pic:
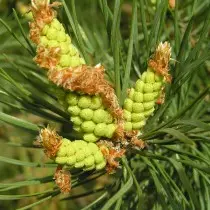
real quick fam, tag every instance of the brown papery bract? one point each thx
(89, 80)
(63, 179)
(111, 153)
(172, 3)
(43, 13)
(50, 140)
(160, 61)
(47, 58)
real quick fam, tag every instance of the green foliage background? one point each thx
(173, 172)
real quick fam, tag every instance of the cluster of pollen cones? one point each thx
(88, 80)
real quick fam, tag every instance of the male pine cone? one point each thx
(148, 90)
(80, 154)
(90, 117)
(53, 36)
(73, 154)
(140, 103)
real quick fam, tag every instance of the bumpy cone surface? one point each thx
(90, 117)
(53, 36)
(141, 100)
(80, 154)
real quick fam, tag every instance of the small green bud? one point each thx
(51, 34)
(143, 76)
(139, 86)
(88, 126)
(66, 142)
(102, 107)
(109, 118)
(62, 28)
(84, 102)
(86, 114)
(44, 40)
(89, 168)
(157, 86)
(128, 104)
(156, 94)
(28, 16)
(74, 61)
(87, 151)
(68, 39)
(80, 156)
(76, 120)
(61, 37)
(100, 129)
(79, 144)
(62, 152)
(82, 61)
(93, 148)
(136, 117)
(127, 115)
(90, 137)
(72, 50)
(148, 88)
(61, 160)
(53, 43)
(150, 77)
(138, 125)
(138, 107)
(138, 97)
(98, 157)
(79, 164)
(149, 105)
(131, 93)
(70, 150)
(74, 110)
(89, 161)
(149, 112)
(99, 116)
(64, 47)
(158, 78)
(56, 24)
(128, 126)
(100, 165)
(64, 61)
(77, 128)
(148, 97)
(96, 102)
(71, 160)
(110, 130)
(45, 29)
